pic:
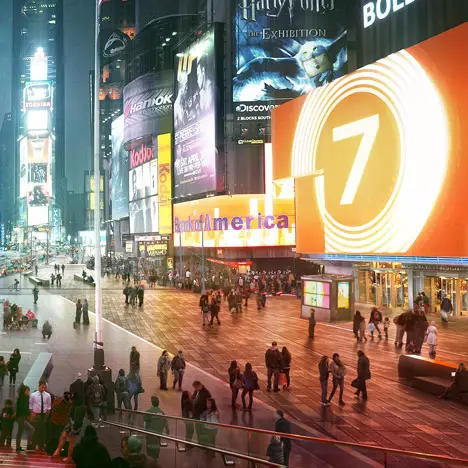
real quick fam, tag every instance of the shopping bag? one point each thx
(355, 383)
(371, 327)
(282, 379)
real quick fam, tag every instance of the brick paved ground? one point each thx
(394, 416)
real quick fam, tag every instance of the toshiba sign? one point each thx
(378, 10)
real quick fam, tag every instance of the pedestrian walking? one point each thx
(446, 308)
(324, 374)
(283, 426)
(40, 404)
(97, 398)
(204, 307)
(199, 399)
(235, 382)
(273, 365)
(155, 422)
(275, 451)
(79, 308)
(46, 330)
(3, 371)
(357, 324)
(133, 295)
(214, 309)
(363, 374)
(386, 326)
(400, 322)
(312, 323)
(141, 295)
(374, 320)
(35, 292)
(249, 385)
(59, 417)
(431, 339)
(164, 364)
(210, 415)
(78, 387)
(8, 420)
(286, 366)
(126, 292)
(63, 269)
(134, 360)
(178, 365)
(85, 312)
(134, 388)
(121, 390)
(13, 365)
(420, 328)
(338, 372)
(362, 330)
(59, 280)
(36, 269)
(23, 416)
(187, 413)
(52, 279)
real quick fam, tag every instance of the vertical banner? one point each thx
(165, 183)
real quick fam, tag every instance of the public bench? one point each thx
(39, 281)
(27, 273)
(41, 369)
(428, 375)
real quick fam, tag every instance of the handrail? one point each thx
(195, 444)
(339, 443)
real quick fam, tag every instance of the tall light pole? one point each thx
(98, 350)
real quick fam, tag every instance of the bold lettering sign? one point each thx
(164, 184)
(380, 9)
(140, 156)
(237, 223)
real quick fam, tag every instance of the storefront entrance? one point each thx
(436, 288)
(382, 287)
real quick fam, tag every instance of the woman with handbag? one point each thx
(285, 367)
(338, 372)
(250, 384)
(235, 382)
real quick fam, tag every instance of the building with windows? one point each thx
(38, 115)
(7, 180)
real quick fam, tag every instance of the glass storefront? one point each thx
(386, 288)
(437, 287)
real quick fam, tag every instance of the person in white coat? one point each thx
(431, 339)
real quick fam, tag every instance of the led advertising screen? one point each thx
(283, 49)
(195, 119)
(235, 221)
(343, 295)
(317, 294)
(379, 155)
(164, 183)
(119, 171)
(144, 215)
(148, 105)
(38, 94)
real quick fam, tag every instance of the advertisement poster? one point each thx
(194, 119)
(283, 49)
(148, 105)
(164, 183)
(144, 215)
(355, 145)
(119, 171)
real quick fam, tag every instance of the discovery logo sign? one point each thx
(254, 111)
(148, 105)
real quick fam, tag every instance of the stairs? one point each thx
(9, 457)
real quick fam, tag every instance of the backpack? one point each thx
(96, 395)
(121, 385)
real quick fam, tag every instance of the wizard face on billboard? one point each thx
(287, 48)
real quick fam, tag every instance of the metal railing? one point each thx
(383, 453)
(181, 444)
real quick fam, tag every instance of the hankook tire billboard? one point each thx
(148, 105)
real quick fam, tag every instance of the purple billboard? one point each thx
(195, 119)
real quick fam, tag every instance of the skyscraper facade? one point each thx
(38, 114)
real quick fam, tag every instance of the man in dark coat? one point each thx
(312, 323)
(200, 395)
(78, 387)
(363, 374)
(273, 365)
(134, 360)
(89, 452)
(284, 426)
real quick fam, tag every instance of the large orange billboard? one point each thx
(235, 221)
(380, 157)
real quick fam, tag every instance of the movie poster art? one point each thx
(284, 49)
(195, 119)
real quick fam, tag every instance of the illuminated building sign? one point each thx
(379, 9)
(354, 146)
(38, 95)
(141, 155)
(235, 221)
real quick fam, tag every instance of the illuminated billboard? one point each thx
(23, 167)
(283, 50)
(235, 221)
(38, 94)
(195, 119)
(379, 156)
(164, 183)
(119, 171)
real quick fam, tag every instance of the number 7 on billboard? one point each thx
(368, 127)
